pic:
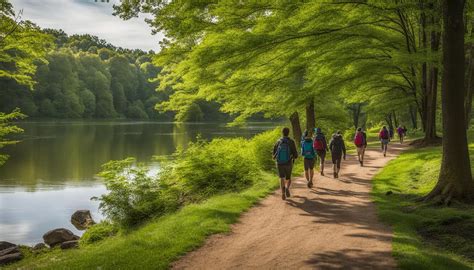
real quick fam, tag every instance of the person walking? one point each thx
(321, 147)
(384, 137)
(360, 141)
(284, 153)
(401, 133)
(309, 155)
(338, 151)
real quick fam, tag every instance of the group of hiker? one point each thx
(314, 146)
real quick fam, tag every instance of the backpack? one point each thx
(307, 149)
(359, 139)
(283, 151)
(337, 145)
(318, 143)
(384, 134)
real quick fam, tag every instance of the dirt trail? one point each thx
(332, 226)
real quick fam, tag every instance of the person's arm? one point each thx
(344, 149)
(275, 148)
(365, 139)
(294, 152)
(325, 144)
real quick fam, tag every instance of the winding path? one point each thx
(331, 226)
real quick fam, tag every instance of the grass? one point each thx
(161, 241)
(425, 236)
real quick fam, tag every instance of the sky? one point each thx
(89, 17)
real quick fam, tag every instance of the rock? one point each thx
(39, 246)
(58, 236)
(10, 250)
(5, 244)
(82, 219)
(70, 244)
(389, 192)
(5, 259)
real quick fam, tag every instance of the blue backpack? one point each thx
(283, 151)
(307, 150)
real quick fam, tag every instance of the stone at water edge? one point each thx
(10, 258)
(70, 244)
(58, 236)
(5, 244)
(82, 219)
(10, 250)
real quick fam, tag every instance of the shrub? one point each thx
(208, 168)
(98, 232)
(262, 146)
(134, 194)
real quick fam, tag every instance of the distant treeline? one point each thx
(86, 77)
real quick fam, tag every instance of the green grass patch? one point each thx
(161, 241)
(425, 236)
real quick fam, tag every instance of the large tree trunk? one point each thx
(395, 119)
(469, 80)
(424, 68)
(296, 127)
(455, 179)
(413, 117)
(431, 91)
(310, 117)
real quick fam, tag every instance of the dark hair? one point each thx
(359, 129)
(305, 133)
(285, 131)
(338, 132)
(384, 127)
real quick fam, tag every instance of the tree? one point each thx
(455, 180)
(6, 129)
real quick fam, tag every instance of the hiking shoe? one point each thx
(310, 184)
(360, 161)
(335, 175)
(287, 192)
(384, 154)
(322, 173)
(283, 197)
(362, 164)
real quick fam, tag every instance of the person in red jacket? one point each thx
(321, 147)
(384, 137)
(360, 141)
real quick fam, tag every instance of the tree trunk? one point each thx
(395, 119)
(431, 94)
(424, 72)
(413, 117)
(455, 179)
(388, 119)
(310, 117)
(469, 80)
(296, 127)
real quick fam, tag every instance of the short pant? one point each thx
(284, 170)
(309, 163)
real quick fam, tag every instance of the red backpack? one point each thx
(384, 134)
(359, 139)
(318, 144)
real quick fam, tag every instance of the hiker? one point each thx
(384, 137)
(284, 152)
(401, 133)
(360, 141)
(338, 151)
(390, 131)
(307, 151)
(321, 147)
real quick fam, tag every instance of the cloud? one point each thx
(90, 17)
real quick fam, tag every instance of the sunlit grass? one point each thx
(446, 243)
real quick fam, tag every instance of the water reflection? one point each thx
(51, 173)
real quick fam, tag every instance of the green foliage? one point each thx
(6, 128)
(222, 165)
(98, 232)
(262, 145)
(134, 195)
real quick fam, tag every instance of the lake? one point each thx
(51, 173)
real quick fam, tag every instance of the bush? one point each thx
(208, 168)
(134, 194)
(98, 232)
(262, 146)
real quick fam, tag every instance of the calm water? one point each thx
(51, 172)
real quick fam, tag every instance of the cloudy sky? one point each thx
(88, 16)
